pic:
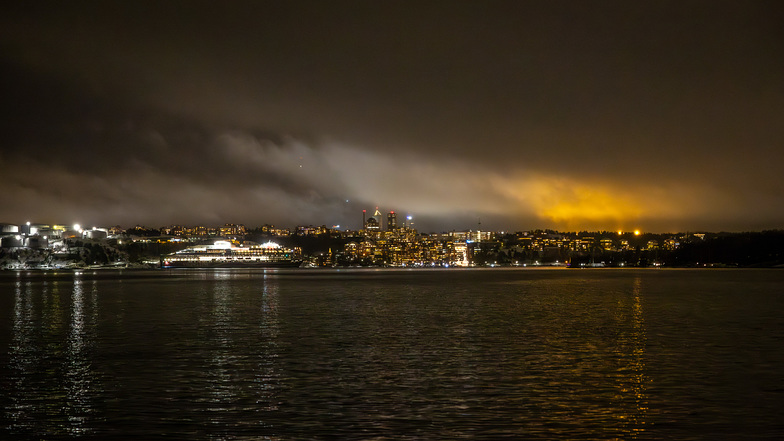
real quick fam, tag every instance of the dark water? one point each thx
(473, 354)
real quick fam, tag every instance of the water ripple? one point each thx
(393, 355)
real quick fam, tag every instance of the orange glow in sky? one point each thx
(574, 204)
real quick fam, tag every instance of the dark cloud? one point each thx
(525, 114)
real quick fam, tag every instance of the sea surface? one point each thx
(392, 354)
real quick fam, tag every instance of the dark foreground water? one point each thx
(454, 354)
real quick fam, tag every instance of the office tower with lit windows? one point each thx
(391, 221)
(373, 223)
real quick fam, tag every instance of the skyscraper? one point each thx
(391, 221)
(373, 222)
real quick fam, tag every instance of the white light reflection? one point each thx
(241, 333)
(221, 389)
(267, 378)
(22, 360)
(79, 376)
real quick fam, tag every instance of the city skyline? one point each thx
(388, 223)
(39, 246)
(661, 117)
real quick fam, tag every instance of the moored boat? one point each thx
(223, 254)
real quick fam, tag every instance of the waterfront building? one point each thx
(36, 242)
(459, 255)
(11, 241)
(28, 230)
(9, 228)
(95, 233)
(232, 230)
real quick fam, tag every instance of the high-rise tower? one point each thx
(372, 223)
(391, 221)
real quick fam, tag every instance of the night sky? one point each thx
(663, 116)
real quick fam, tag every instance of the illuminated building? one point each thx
(9, 228)
(28, 230)
(71, 234)
(310, 230)
(459, 256)
(373, 223)
(12, 241)
(391, 221)
(585, 243)
(351, 250)
(479, 236)
(232, 230)
(36, 242)
(174, 230)
(459, 235)
(199, 230)
(51, 232)
(95, 233)
(367, 250)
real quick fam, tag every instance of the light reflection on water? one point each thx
(49, 358)
(632, 377)
(22, 358)
(80, 378)
(390, 354)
